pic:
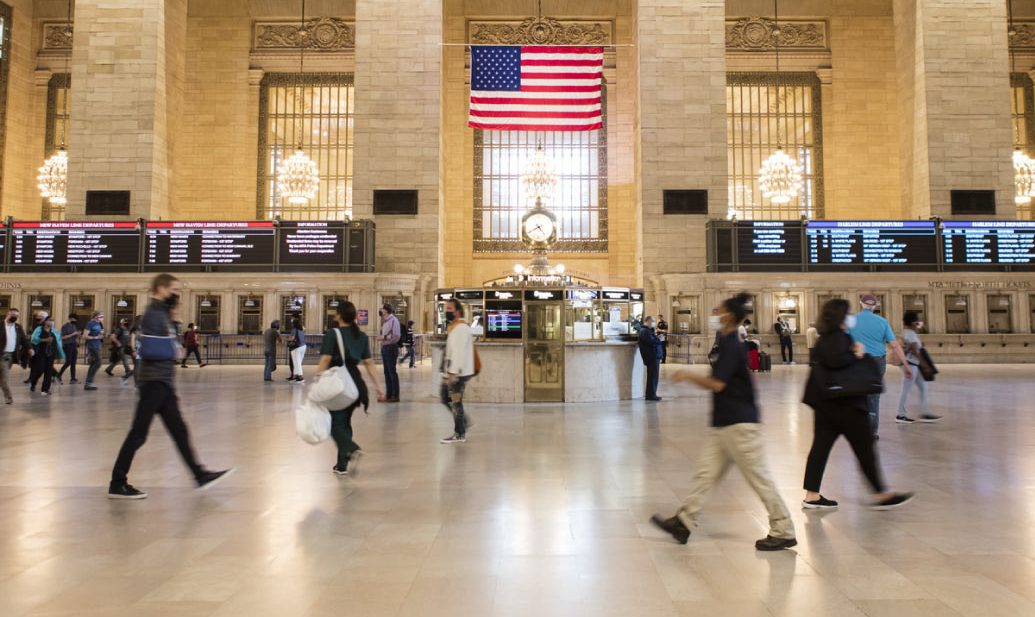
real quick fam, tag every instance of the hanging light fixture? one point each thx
(539, 179)
(781, 177)
(1023, 165)
(52, 180)
(298, 177)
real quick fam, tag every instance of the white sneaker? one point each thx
(454, 438)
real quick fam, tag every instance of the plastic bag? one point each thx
(334, 389)
(312, 422)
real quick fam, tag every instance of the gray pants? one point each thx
(93, 359)
(873, 400)
(5, 372)
(921, 385)
(740, 445)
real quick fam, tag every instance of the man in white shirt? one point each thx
(15, 350)
(458, 366)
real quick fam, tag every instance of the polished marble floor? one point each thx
(543, 512)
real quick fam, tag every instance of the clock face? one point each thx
(539, 228)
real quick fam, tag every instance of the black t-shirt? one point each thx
(735, 404)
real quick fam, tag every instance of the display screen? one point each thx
(210, 244)
(872, 243)
(988, 243)
(503, 324)
(312, 243)
(769, 243)
(81, 245)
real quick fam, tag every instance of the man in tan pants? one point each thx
(735, 437)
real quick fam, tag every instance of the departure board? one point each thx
(312, 244)
(988, 243)
(205, 245)
(856, 244)
(71, 245)
(773, 244)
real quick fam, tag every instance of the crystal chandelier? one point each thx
(780, 177)
(298, 177)
(52, 180)
(539, 179)
(1023, 177)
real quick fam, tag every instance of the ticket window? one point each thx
(788, 308)
(882, 305)
(822, 299)
(583, 321)
(5, 304)
(918, 304)
(291, 307)
(1000, 314)
(749, 314)
(123, 307)
(401, 308)
(616, 318)
(686, 311)
(83, 306)
(330, 309)
(207, 314)
(39, 304)
(957, 314)
(249, 315)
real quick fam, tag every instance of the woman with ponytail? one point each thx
(357, 350)
(735, 437)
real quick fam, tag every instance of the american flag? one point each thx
(536, 88)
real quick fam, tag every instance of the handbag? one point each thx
(157, 348)
(335, 387)
(312, 422)
(860, 378)
(927, 367)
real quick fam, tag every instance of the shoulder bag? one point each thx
(335, 388)
(157, 348)
(927, 367)
(860, 378)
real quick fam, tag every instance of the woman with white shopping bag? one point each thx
(347, 338)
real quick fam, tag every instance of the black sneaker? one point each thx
(208, 479)
(895, 501)
(125, 491)
(110, 373)
(904, 420)
(340, 471)
(819, 504)
(929, 418)
(89, 387)
(769, 543)
(673, 527)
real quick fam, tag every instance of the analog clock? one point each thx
(539, 228)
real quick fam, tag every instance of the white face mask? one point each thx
(850, 322)
(714, 322)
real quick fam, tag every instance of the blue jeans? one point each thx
(271, 365)
(94, 360)
(390, 360)
(409, 354)
(873, 400)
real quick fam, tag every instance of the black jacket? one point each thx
(832, 351)
(157, 322)
(649, 345)
(21, 348)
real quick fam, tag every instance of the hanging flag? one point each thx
(536, 88)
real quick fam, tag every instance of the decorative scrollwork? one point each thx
(321, 33)
(540, 31)
(758, 34)
(1024, 37)
(57, 37)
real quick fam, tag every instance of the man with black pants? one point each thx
(408, 343)
(70, 345)
(390, 336)
(94, 336)
(650, 353)
(158, 359)
(783, 330)
(662, 331)
(15, 349)
(270, 338)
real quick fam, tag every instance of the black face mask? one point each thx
(172, 300)
(450, 316)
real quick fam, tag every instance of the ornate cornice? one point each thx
(540, 31)
(1024, 37)
(320, 34)
(757, 34)
(57, 36)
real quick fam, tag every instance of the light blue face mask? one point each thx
(850, 322)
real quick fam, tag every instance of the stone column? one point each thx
(121, 69)
(682, 121)
(954, 103)
(398, 90)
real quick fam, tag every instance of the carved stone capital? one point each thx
(540, 31)
(1024, 37)
(320, 33)
(57, 36)
(759, 34)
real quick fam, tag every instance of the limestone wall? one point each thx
(23, 141)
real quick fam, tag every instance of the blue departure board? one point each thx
(988, 243)
(849, 244)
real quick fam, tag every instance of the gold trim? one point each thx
(758, 34)
(320, 34)
(540, 31)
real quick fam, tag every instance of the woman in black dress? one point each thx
(835, 350)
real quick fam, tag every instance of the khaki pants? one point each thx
(741, 445)
(5, 372)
